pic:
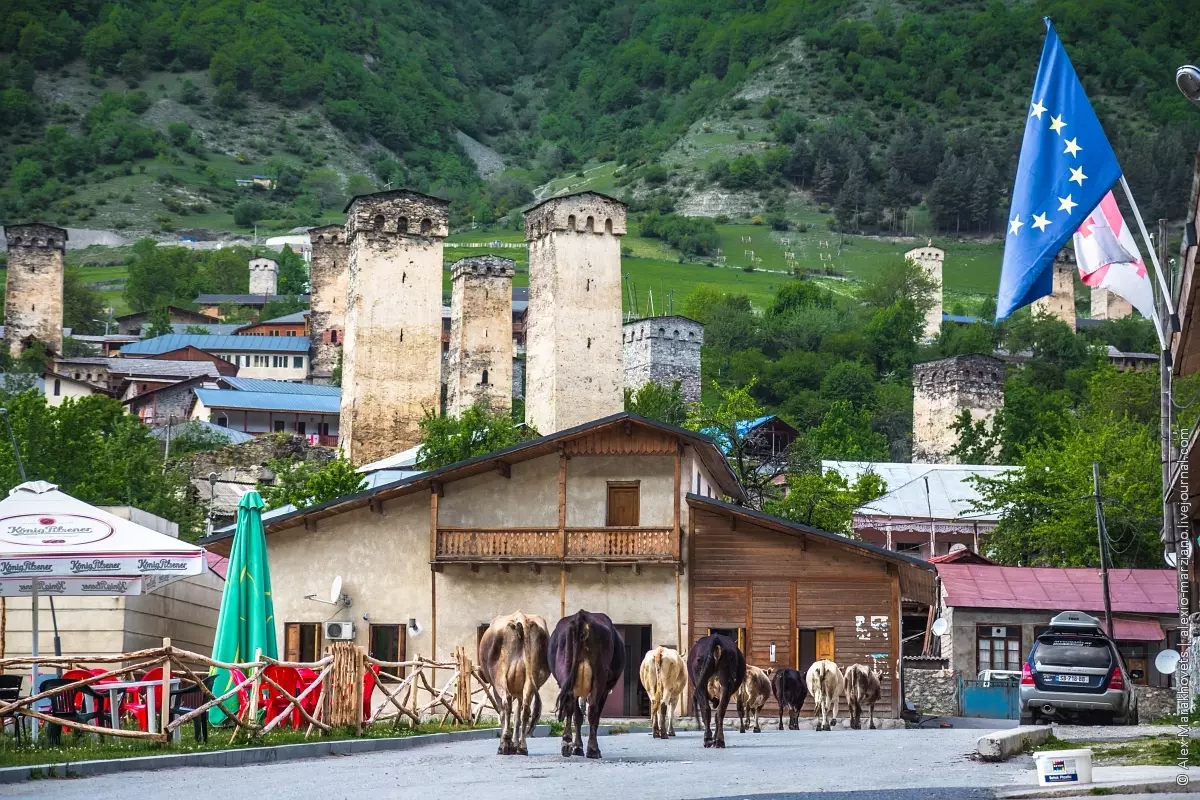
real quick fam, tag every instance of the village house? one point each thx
(169, 404)
(621, 515)
(125, 377)
(58, 388)
(310, 411)
(210, 304)
(287, 325)
(278, 357)
(135, 324)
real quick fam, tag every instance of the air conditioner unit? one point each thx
(339, 631)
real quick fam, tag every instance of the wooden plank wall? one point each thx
(772, 583)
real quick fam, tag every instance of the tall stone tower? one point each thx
(479, 366)
(930, 259)
(942, 389)
(392, 356)
(264, 276)
(664, 350)
(573, 340)
(1061, 303)
(1106, 305)
(33, 299)
(328, 273)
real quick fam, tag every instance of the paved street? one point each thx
(854, 765)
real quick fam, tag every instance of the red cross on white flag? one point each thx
(1108, 257)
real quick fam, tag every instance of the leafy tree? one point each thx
(248, 212)
(293, 273)
(826, 500)
(656, 401)
(158, 323)
(83, 306)
(309, 483)
(846, 434)
(701, 302)
(476, 432)
(197, 330)
(160, 276)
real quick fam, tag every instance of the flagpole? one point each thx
(1162, 281)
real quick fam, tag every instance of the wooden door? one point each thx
(825, 649)
(291, 642)
(624, 505)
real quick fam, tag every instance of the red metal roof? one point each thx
(1137, 591)
(960, 557)
(1137, 630)
(218, 564)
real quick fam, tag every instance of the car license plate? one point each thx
(1071, 678)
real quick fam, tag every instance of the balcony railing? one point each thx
(544, 545)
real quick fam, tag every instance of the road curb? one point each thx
(1003, 745)
(1090, 789)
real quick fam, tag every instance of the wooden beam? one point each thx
(376, 505)
(562, 592)
(437, 488)
(637, 568)
(432, 621)
(433, 524)
(504, 468)
(536, 568)
(894, 639)
(678, 615)
(504, 568)
(677, 534)
(310, 524)
(604, 566)
(562, 503)
(627, 428)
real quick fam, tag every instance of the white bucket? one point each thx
(1058, 767)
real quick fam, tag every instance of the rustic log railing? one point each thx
(599, 544)
(338, 689)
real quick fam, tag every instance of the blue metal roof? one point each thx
(270, 401)
(280, 387)
(960, 319)
(177, 341)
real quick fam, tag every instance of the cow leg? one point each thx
(568, 721)
(743, 713)
(794, 719)
(719, 738)
(757, 726)
(522, 728)
(872, 716)
(595, 706)
(655, 707)
(505, 720)
(577, 746)
(781, 716)
(669, 713)
(704, 710)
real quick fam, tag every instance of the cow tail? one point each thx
(566, 693)
(528, 649)
(700, 690)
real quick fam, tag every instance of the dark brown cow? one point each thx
(587, 655)
(714, 658)
(790, 691)
(513, 663)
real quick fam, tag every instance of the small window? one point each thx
(57, 387)
(297, 362)
(223, 422)
(737, 634)
(571, 222)
(279, 426)
(426, 226)
(484, 381)
(608, 226)
(998, 647)
(300, 427)
(402, 225)
(386, 643)
(379, 222)
(333, 337)
(302, 641)
(591, 224)
(624, 504)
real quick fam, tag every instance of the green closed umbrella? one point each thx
(247, 620)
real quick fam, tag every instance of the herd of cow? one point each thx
(586, 655)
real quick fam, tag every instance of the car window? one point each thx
(1072, 651)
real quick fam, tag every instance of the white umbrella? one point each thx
(51, 543)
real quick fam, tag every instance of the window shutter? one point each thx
(291, 642)
(825, 650)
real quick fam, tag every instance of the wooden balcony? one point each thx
(546, 546)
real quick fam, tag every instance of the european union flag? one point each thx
(1066, 168)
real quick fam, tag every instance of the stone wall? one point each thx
(33, 299)
(264, 276)
(1154, 703)
(933, 691)
(392, 356)
(574, 357)
(930, 259)
(1106, 305)
(942, 390)
(1061, 302)
(663, 350)
(479, 365)
(328, 273)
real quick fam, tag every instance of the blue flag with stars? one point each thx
(1066, 168)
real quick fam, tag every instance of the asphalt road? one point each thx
(842, 764)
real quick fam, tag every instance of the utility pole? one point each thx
(1100, 532)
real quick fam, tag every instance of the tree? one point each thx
(476, 432)
(977, 442)
(826, 500)
(83, 306)
(160, 276)
(158, 323)
(655, 401)
(293, 274)
(845, 434)
(701, 302)
(309, 483)
(248, 212)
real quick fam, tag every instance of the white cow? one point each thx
(824, 681)
(664, 677)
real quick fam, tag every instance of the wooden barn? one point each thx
(791, 594)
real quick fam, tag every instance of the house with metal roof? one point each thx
(127, 376)
(314, 416)
(278, 357)
(241, 384)
(211, 303)
(288, 325)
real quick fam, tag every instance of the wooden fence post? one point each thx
(360, 666)
(165, 718)
(255, 691)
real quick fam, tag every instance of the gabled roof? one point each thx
(580, 193)
(270, 401)
(178, 341)
(145, 367)
(395, 193)
(279, 387)
(176, 310)
(706, 450)
(199, 380)
(1139, 591)
(963, 556)
(287, 319)
(951, 492)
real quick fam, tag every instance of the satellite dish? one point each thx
(1166, 661)
(1170, 557)
(335, 590)
(940, 626)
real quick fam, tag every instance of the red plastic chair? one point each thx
(135, 700)
(370, 677)
(307, 678)
(100, 683)
(274, 703)
(77, 675)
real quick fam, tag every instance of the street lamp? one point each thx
(1187, 78)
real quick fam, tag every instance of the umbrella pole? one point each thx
(33, 686)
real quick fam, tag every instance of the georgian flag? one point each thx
(1108, 257)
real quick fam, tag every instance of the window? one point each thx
(324, 428)
(300, 427)
(386, 642)
(291, 333)
(302, 641)
(57, 387)
(998, 647)
(223, 422)
(484, 381)
(297, 362)
(624, 504)
(333, 337)
(737, 634)
(274, 332)
(279, 426)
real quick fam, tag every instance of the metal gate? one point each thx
(995, 699)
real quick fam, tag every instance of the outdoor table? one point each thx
(114, 705)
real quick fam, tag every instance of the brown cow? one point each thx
(862, 689)
(514, 665)
(664, 677)
(754, 694)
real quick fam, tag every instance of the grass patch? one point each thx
(617, 730)
(83, 748)
(557, 728)
(1161, 750)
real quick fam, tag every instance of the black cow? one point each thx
(717, 669)
(790, 691)
(587, 656)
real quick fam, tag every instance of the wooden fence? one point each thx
(338, 688)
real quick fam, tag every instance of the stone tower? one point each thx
(664, 350)
(328, 273)
(392, 356)
(479, 366)
(1106, 305)
(33, 300)
(942, 389)
(1061, 303)
(264, 276)
(573, 340)
(930, 259)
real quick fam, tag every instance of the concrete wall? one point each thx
(574, 368)
(279, 367)
(1061, 303)
(33, 298)
(264, 276)
(930, 259)
(58, 390)
(328, 274)
(663, 350)
(391, 370)
(480, 335)
(942, 390)
(1106, 305)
